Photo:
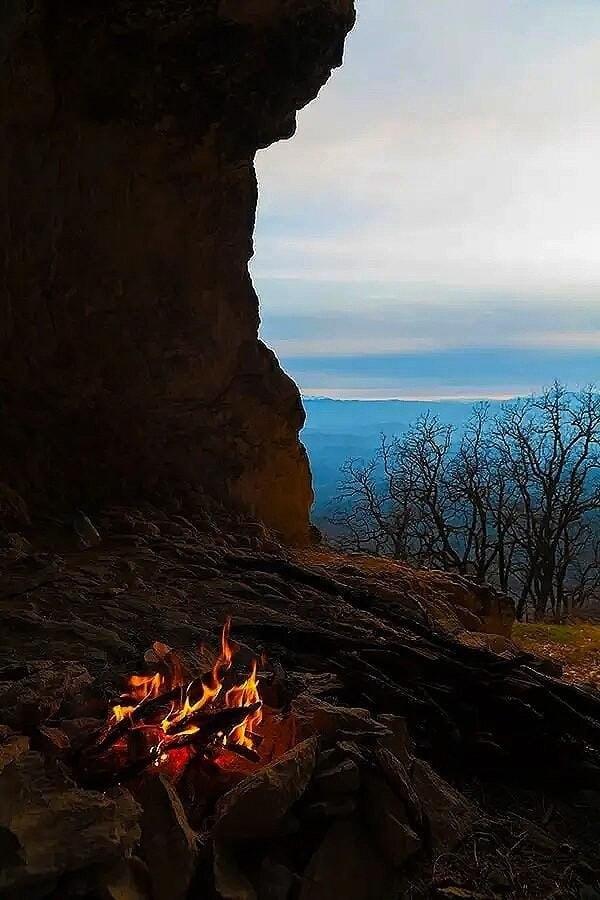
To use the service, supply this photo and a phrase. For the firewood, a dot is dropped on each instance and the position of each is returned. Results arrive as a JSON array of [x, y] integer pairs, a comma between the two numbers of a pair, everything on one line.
[[224, 720], [243, 751], [143, 711], [150, 706]]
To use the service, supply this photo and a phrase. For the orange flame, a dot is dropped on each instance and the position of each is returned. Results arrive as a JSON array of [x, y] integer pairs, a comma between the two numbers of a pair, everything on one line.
[[199, 693], [143, 686], [210, 685], [244, 695], [140, 687]]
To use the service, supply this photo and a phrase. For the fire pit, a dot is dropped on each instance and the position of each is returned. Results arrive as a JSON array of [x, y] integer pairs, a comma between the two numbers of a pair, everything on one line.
[[219, 774], [169, 717]]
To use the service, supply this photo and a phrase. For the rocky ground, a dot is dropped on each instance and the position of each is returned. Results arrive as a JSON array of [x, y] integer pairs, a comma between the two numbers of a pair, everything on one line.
[[435, 758]]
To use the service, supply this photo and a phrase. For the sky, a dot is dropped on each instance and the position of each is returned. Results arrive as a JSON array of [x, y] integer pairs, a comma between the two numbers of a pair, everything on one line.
[[433, 228]]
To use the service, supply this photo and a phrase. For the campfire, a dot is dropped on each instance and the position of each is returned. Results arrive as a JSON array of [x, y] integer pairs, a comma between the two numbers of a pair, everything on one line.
[[211, 776], [170, 716]]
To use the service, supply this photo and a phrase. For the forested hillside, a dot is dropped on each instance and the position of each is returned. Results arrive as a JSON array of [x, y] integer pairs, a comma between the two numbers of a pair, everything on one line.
[[336, 430]]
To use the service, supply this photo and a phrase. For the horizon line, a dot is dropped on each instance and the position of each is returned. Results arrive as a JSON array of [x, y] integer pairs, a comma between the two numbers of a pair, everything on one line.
[[459, 398]]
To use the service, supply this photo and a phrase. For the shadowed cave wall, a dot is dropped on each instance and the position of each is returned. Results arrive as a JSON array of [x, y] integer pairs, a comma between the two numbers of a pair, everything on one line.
[[129, 359]]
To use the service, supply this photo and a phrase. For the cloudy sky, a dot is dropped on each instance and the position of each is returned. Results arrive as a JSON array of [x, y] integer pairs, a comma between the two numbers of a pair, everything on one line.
[[433, 229]]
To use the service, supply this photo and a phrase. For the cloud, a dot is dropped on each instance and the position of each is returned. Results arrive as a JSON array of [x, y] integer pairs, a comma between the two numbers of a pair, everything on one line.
[[460, 373], [458, 145], [559, 340], [433, 227], [309, 319], [393, 345]]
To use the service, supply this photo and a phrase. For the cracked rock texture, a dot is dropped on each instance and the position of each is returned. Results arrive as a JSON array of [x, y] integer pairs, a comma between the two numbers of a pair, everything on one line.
[[129, 358]]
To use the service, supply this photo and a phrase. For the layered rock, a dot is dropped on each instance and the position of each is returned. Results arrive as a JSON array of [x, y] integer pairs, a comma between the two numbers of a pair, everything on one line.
[[129, 358], [428, 745]]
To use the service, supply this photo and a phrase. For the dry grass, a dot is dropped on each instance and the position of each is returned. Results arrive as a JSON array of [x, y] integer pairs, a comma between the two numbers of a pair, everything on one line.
[[576, 647]]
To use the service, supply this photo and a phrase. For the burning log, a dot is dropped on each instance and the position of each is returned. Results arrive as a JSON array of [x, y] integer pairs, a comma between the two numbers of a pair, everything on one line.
[[225, 720], [157, 716], [208, 727], [145, 709], [243, 751], [209, 740]]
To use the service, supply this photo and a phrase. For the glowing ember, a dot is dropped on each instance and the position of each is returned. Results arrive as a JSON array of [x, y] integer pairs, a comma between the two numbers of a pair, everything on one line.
[[164, 713]]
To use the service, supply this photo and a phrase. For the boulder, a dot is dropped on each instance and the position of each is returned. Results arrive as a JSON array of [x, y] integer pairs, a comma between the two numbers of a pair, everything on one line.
[[53, 742], [131, 364], [276, 881], [333, 808], [128, 880], [50, 828], [12, 746], [344, 778], [388, 821], [397, 776], [256, 806], [449, 814], [346, 866], [169, 845], [33, 694], [335, 722], [13, 509], [230, 882]]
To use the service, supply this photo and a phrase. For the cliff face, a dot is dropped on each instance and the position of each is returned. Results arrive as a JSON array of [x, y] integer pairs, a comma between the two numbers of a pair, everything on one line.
[[129, 358]]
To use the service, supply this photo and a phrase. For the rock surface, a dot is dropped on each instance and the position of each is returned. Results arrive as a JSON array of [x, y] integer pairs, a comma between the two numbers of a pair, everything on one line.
[[449, 815], [258, 804], [402, 784], [389, 825], [347, 860], [49, 827], [36, 693], [168, 843], [129, 358]]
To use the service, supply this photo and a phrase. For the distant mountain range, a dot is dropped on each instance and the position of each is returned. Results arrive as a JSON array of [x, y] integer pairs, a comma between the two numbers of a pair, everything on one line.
[[336, 430]]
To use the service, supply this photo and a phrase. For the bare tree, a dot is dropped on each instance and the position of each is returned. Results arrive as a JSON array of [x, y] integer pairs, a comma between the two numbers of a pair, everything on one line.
[[422, 498], [515, 500], [549, 448]]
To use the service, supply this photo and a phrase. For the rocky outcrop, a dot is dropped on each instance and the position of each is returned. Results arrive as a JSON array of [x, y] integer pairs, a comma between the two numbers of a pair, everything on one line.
[[456, 603], [129, 358], [50, 827]]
